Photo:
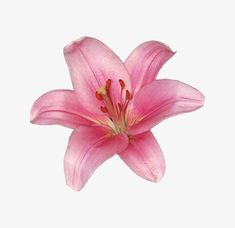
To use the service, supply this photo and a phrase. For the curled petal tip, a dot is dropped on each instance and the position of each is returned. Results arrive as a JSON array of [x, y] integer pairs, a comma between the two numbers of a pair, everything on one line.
[[33, 114], [156, 176], [153, 178], [199, 99], [73, 45], [32, 120], [74, 187], [203, 98], [188, 95]]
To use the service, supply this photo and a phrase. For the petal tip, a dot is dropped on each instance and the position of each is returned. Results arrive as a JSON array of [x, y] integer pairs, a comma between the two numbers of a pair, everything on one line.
[[35, 112], [72, 46], [193, 95], [200, 102], [203, 98], [156, 177], [33, 115], [73, 187], [32, 120]]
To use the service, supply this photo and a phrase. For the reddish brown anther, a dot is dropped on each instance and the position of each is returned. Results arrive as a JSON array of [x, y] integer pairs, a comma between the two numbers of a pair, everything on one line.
[[128, 95], [120, 107], [98, 96], [122, 84], [108, 84], [104, 109]]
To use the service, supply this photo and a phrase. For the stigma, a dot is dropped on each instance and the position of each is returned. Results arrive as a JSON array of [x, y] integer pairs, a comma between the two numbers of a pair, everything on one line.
[[117, 112], [102, 91]]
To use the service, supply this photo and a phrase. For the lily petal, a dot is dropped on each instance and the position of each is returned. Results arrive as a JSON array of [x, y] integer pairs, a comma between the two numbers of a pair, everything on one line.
[[88, 148], [144, 156], [159, 100], [91, 63], [144, 63], [57, 107]]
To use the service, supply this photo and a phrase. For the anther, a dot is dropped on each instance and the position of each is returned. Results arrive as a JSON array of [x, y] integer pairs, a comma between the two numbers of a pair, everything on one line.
[[98, 96], [120, 107], [122, 84], [108, 83], [104, 109], [128, 95]]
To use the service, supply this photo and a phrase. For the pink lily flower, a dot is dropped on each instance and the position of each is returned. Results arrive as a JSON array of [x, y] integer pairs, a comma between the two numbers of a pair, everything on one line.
[[113, 107]]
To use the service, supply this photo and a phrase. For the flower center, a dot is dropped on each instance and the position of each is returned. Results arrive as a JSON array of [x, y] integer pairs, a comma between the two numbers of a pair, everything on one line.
[[117, 112]]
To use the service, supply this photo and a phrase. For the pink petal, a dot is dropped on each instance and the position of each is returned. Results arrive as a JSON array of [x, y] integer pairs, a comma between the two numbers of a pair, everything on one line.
[[159, 100], [144, 63], [144, 156], [57, 107], [91, 63], [88, 148]]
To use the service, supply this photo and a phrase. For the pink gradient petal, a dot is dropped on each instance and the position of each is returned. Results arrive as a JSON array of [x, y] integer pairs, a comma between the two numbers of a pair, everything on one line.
[[57, 107], [88, 148], [159, 100], [91, 63], [144, 63], [144, 156]]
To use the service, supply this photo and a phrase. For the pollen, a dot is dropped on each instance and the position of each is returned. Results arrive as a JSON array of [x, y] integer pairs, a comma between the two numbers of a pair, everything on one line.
[[102, 91]]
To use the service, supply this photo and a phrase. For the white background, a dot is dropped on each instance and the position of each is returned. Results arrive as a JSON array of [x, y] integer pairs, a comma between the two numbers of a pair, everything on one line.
[[198, 187]]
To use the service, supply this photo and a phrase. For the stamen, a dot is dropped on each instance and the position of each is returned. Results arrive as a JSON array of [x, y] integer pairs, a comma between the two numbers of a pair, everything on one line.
[[128, 95], [108, 84], [103, 109], [122, 84], [116, 111], [98, 96], [120, 107]]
